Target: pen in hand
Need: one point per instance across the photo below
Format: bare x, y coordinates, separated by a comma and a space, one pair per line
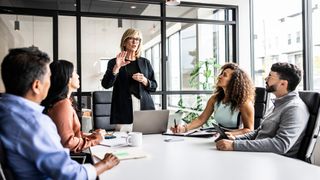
175, 124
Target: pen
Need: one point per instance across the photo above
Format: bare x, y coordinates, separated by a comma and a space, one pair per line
175, 124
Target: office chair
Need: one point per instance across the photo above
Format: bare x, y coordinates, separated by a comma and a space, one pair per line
6, 173
260, 105
312, 100
101, 108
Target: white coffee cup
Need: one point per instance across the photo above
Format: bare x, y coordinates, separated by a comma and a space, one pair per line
134, 139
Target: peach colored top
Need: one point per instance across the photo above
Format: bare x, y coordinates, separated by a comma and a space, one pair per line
68, 125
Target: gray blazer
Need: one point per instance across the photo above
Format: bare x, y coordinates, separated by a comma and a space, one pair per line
282, 129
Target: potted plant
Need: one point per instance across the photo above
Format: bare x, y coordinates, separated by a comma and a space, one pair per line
200, 78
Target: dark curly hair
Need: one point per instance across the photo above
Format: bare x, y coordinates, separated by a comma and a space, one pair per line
239, 89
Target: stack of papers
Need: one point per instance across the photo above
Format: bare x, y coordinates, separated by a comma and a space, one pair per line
116, 142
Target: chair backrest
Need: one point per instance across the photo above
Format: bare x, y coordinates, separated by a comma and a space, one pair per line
312, 100
6, 173
101, 110
260, 105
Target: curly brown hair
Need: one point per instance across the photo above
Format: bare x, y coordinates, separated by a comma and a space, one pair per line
239, 89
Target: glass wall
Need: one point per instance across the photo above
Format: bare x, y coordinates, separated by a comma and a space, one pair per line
67, 39
316, 43
24, 31
277, 35
199, 37
100, 38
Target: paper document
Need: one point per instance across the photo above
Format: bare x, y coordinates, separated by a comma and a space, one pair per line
116, 142
193, 133
123, 153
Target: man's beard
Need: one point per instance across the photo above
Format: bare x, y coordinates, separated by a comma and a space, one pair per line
271, 88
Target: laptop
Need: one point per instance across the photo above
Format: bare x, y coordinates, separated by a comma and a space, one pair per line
150, 121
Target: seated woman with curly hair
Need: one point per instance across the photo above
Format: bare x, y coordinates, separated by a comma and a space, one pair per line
234, 93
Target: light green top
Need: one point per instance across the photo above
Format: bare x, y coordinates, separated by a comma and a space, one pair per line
224, 116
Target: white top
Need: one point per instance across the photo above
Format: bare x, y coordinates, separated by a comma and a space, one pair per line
224, 116
197, 158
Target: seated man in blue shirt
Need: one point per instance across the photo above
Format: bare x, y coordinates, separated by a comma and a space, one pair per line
29, 137
283, 127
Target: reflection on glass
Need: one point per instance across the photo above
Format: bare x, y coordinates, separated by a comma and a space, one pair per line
277, 36
316, 43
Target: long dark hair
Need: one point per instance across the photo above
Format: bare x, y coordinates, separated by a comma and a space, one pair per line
239, 90
61, 72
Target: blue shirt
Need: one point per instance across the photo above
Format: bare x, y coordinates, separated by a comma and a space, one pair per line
33, 145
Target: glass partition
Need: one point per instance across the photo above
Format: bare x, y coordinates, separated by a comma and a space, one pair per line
25, 31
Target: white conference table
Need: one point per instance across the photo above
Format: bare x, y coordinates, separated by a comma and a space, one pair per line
198, 159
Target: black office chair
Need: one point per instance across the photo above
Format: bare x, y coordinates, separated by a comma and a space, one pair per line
312, 100
6, 173
260, 105
101, 108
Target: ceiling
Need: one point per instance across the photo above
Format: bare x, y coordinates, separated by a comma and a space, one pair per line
99, 6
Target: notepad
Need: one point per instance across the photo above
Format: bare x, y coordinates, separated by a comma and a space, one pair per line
116, 142
123, 153
194, 133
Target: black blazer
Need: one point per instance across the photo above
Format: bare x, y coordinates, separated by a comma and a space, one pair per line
121, 106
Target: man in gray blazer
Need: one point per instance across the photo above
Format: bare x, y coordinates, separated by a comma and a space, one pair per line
284, 125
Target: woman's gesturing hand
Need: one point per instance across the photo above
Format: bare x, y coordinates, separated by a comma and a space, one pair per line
120, 61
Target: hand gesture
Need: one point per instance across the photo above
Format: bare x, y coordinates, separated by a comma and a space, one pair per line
120, 61
140, 78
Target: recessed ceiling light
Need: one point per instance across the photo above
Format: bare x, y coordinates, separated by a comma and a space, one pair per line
133, 7
74, 4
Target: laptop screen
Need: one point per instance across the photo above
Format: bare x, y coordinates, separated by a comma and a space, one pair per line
150, 121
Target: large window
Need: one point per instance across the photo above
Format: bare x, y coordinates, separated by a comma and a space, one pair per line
316, 43
277, 35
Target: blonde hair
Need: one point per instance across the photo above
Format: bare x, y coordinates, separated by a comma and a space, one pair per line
129, 33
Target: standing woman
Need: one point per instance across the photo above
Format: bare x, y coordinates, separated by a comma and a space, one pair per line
233, 97
132, 79
58, 105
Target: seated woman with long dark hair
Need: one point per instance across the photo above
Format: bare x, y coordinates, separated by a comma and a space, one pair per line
58, 105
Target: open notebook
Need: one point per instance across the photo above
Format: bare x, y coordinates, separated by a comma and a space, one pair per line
194, 133
122, 153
